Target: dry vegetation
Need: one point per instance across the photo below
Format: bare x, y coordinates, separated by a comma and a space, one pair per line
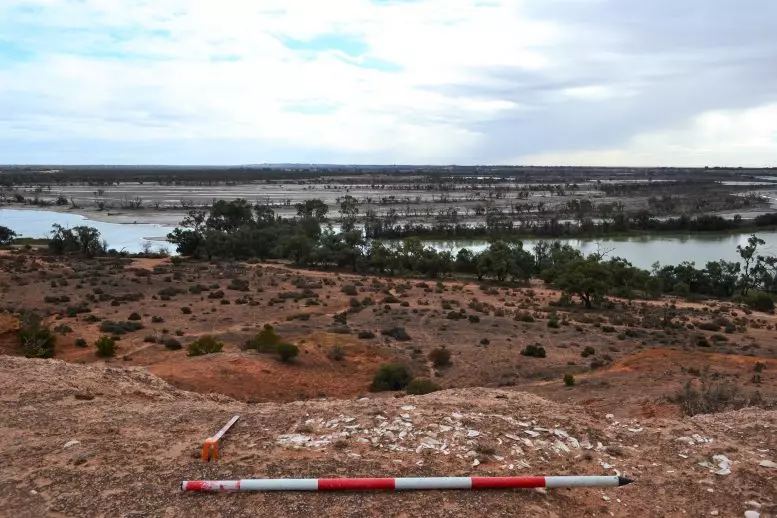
203, 327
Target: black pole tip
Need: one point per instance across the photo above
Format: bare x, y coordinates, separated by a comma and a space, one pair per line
622, 481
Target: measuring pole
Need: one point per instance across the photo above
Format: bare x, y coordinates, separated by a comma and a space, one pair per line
400, 484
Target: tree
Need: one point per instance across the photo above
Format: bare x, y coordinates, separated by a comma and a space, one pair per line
349, 210
586, 278
228, 216
6, 235
312, 209
747, 254
206, 344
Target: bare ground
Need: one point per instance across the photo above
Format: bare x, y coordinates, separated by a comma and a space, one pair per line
138, 437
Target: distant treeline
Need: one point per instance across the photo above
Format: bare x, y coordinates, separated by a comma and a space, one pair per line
200, 175
495, 227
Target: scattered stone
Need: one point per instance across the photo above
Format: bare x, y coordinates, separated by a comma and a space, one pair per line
70, 444
768, 464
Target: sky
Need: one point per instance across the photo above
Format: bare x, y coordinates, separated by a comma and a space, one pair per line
535, 82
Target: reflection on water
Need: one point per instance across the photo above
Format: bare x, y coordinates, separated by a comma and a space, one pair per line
643, 251
128, 236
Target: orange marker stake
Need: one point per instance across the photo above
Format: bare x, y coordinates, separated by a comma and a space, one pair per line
210, 448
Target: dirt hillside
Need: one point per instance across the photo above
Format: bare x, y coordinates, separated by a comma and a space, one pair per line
90, 440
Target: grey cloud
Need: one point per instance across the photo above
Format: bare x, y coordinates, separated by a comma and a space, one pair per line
677, 59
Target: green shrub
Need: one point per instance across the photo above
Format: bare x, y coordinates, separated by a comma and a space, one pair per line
588, 351
553, 323
421, 386
106, 347
391, 376
238, 285
172, 344
440, 357
760, 301
569, 380
366, 335
157, 320
150, 339
287, 352
708, 326
134, 316
206, 344
37, 340
218, 294
608, 329
119, 328
474, 319
350, 290
525, 317
80, 342
186, 310
534, 351
265, 342
485, 341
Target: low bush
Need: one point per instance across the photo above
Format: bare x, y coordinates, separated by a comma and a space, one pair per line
366, 335
553, 323
119, 328
485, 341
157, 319
206, 344
106, 347
287, 352
588, 351
238, 285
134, 316
392, 376
350, 290
80, 342
421, 386
397, 333
760, 301
186, 310
525, 317
440, 357
716, 397
265, 342
534, 351
218, 294
37, 340
173, 344
569, 380
474, 319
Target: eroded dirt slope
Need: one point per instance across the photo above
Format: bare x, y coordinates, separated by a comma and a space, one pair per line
138, 437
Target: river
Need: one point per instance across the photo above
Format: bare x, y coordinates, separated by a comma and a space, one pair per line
642, 251
121, 236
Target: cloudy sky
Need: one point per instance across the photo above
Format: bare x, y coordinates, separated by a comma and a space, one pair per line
579, 82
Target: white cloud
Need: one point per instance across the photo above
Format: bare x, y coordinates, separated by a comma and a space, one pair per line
733, 138
440, 81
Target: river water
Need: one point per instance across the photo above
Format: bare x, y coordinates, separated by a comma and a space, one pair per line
127, 236
641, 251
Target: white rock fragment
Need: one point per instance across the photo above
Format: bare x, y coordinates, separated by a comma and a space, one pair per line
70, 444
560, 446
606, 498
635, 430
752, 514
609, 416
475, 463
768, 464
408, 408
513, 437
532, 433
724, 464
714, 512
472, 433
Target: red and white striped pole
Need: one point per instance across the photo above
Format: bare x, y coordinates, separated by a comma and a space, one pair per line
400, 484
